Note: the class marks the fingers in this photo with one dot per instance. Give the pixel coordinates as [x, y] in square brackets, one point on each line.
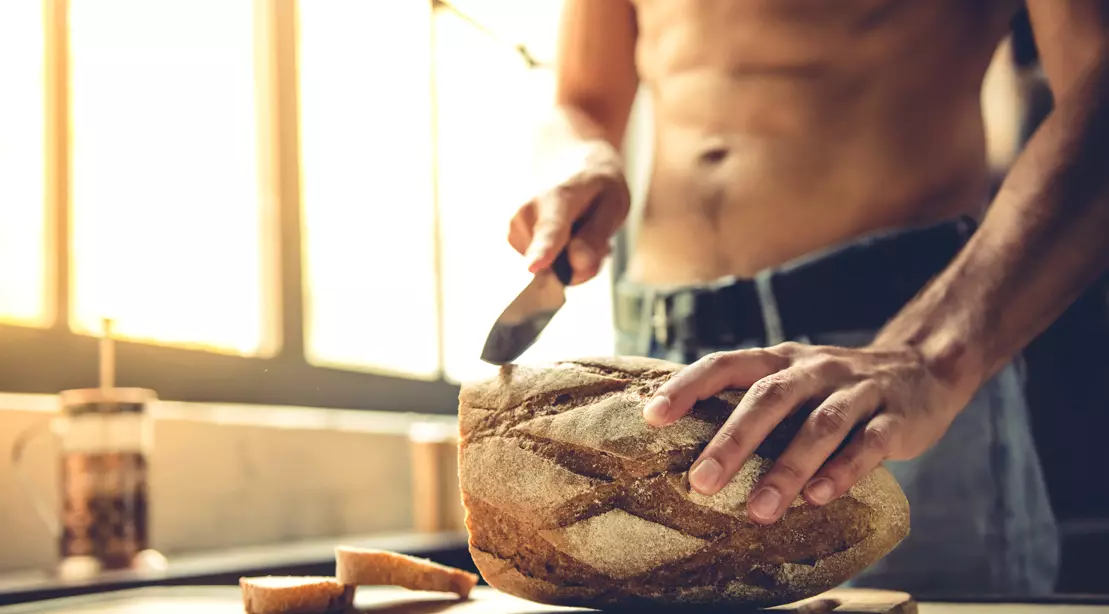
[551, 230]
[819, 436]
[768, 401]
[603, 218]
[586, 259]
[865, 451]
[706, 377]
[520, 228]
[541, 229]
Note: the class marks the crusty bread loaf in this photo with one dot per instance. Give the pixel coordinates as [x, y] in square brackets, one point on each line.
[572, 499]
[295, 595]
[363, 567]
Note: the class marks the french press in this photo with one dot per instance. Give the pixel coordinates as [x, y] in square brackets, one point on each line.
[104, 437]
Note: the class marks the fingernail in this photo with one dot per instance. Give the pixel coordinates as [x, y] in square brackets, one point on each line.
[655, 411]
[765, 503]
[819, 490]
[703, 477]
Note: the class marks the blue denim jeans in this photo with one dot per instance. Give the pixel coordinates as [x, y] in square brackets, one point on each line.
[981, 521]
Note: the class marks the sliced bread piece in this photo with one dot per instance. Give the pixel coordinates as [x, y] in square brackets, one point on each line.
[363, 567]
[295, 595]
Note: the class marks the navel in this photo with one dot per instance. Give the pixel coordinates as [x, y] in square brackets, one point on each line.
[712, 156]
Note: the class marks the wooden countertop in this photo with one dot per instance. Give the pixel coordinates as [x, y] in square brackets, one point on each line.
[228, 600]
[225, 567]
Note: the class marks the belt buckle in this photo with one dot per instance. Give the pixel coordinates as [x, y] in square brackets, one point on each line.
[660, 320]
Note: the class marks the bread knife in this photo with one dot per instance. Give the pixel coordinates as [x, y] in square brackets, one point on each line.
[528, 314]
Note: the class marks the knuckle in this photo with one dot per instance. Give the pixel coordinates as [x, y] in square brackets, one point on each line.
[878, 438]
[828, 366]
[728, 441]
[844, 471]
[670, 385]
[769, 357]
[789, 470]
[771, 389]
[829, 419]
[718, 360]
[788, 348]
[869, 389]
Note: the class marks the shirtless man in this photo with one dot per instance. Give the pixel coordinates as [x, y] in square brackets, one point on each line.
[846, 134]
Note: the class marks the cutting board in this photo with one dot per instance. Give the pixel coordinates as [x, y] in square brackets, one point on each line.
[382, 600]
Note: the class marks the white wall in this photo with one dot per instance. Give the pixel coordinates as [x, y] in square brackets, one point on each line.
[224, 476]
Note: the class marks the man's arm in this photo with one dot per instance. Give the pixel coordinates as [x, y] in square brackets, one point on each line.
[1044, 240]
[596, 83]
[596, 78]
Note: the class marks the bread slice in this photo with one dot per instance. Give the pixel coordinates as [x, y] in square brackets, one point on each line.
[364, 567]
[295, 595]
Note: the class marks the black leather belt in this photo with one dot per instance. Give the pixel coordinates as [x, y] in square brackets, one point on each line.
[856, 287]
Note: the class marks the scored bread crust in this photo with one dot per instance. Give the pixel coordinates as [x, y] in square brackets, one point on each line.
[295, 595]
[367, 567]
[572, 499]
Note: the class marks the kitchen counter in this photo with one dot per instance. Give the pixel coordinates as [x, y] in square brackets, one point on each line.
[225, 567]
[228, 600]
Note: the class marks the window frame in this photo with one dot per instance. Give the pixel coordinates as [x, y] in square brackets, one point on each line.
[48, 360]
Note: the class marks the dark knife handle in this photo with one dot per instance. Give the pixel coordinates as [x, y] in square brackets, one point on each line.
[562, 269]
[561, 266]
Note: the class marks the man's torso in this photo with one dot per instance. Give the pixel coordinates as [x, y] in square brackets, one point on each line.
[786, 126]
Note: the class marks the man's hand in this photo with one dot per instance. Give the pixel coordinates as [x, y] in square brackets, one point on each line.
[589, 187]
[886, 402]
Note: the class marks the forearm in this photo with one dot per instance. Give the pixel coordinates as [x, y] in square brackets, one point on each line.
[573, 140]
[1044, 240]
[575, 123]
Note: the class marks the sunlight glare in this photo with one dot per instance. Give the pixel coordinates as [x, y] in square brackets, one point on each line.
[166, 205]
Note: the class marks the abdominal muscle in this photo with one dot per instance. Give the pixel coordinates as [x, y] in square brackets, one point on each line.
[757, 164]
[735, 204]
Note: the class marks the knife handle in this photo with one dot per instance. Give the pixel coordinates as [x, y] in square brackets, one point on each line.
[562, 269]
[561, 266]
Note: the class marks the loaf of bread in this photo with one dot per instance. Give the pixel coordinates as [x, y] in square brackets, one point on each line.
[363, 567]
[295, 595]
[572, 499]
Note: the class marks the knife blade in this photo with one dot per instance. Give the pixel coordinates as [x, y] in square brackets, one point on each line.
[520, 324]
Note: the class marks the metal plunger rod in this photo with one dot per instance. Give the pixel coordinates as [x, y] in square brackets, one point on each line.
[107, 357]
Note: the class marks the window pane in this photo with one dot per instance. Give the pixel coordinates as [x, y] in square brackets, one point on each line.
[489, 107]
[367, 185]
[166, 206]
[22, 208]
[532, 24]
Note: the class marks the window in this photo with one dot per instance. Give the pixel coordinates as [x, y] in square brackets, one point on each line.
[490, 103]
[23, 264]
[368, 186]
[295, 203]
[166, 212]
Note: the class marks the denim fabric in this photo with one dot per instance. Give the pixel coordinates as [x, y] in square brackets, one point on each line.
[980, 518]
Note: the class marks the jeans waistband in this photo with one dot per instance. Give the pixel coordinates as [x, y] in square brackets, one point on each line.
[858, 285]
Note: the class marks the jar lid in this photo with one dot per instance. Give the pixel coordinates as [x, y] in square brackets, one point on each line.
[98, 396]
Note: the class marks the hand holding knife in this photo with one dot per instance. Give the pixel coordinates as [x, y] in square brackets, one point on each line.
[520, 324]
[594, 194]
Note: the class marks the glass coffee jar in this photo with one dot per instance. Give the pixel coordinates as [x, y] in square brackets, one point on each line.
[104, 437]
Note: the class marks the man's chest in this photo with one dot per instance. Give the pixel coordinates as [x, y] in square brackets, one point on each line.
[809, 36]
